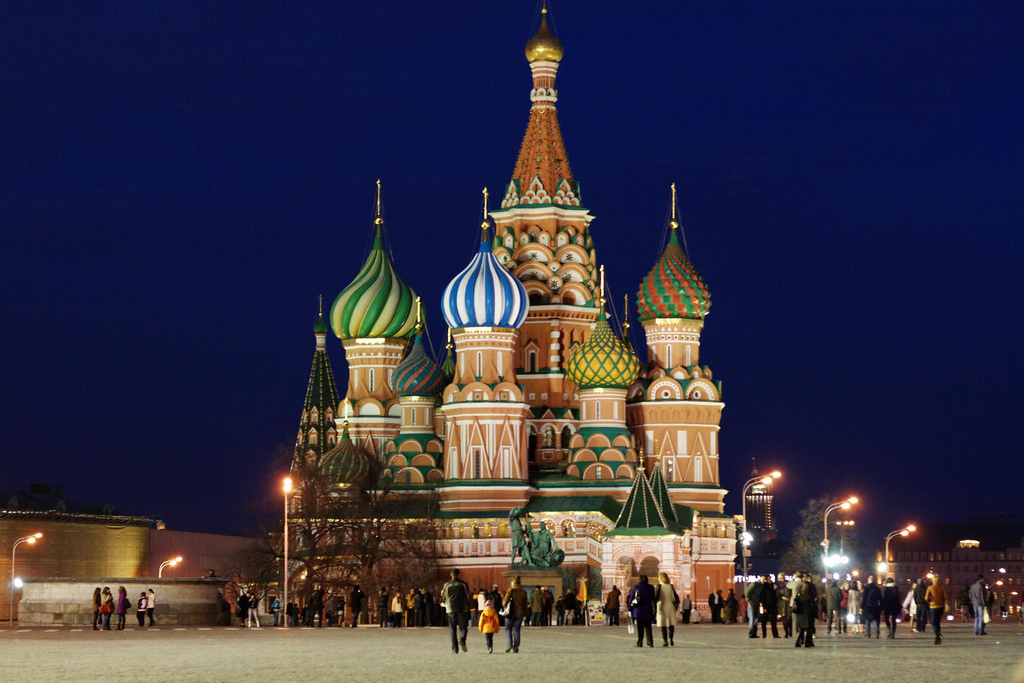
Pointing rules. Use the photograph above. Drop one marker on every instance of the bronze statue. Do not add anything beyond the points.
(534, 548)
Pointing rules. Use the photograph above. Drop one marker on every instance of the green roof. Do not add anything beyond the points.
(641, 510)
(660, 490)
(605, 505)
(684, 514)
(649, 531)
(714, 514)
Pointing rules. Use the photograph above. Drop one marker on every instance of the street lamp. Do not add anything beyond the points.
(841, 505)
(883, 566)
(287, 487)
(745, 537)
(24, 539)
(169, 563)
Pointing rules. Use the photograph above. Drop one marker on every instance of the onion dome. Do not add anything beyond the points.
(544, 47)
(602, 361)
(378, 303)
(417, 374)
(345, 464)
(448, 366)
(485, 294)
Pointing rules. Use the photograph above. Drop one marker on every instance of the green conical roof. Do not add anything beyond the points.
(641, 510)
(321, 396)
(660, 489)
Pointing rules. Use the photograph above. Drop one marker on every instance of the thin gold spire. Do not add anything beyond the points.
(625, 317)
(419, 314)
(320, 306)
(377, 217)
(484, 224)
(674, 223)
(601, 301)
(448, 344)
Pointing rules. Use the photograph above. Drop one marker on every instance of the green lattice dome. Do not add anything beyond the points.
(345, 464)
(602, 362)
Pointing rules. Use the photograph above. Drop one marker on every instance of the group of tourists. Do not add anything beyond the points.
(104, 605)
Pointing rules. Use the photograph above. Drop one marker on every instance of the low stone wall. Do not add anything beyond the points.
(68, 602)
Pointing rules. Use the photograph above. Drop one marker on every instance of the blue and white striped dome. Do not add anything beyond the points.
(485, 294)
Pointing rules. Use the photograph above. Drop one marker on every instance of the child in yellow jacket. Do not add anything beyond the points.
(489, 624)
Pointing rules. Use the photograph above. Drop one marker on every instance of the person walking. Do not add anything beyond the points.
(753, 596)
(106, 607)
(910, 607)
(686, 605)
(151, 606)
(769, 608)
(833, 599)
(921, 605)
(641, 605)
(123, 603)
(275, 609)
(667, 601)
(805, 609)
(140, 610)
(518, 607)
(715, 605)
(853, 606)
(97, 602)
(254, 610)
(489, 624)
(355, 599)
(792, 591)
(536, 605)
(731, 606)
(611, 606)
(892, 605)
(871, 606)
(549, 604)
(455, 596)
(382, 606)
(977, 597)
(936, 599)
(316, 603)
(569, 604)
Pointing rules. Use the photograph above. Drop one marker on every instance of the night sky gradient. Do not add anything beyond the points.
(180, 180)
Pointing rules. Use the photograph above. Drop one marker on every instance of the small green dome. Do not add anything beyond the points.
(345, 464)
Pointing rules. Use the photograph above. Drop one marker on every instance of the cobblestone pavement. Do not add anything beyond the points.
(702, 652)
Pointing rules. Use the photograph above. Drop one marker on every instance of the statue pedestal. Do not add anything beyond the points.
(531, 577)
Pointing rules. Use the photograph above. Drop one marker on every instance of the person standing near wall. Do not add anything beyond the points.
(140, 610)
(107, 607)
(151, 606)
(97, 602)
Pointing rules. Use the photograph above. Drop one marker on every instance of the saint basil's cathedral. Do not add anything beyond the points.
(540, 405)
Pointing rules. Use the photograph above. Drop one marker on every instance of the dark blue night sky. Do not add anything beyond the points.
(179, 181)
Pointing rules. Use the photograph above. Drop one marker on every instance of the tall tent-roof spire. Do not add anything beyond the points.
(660, 489)
(317, 420)
(641, 510)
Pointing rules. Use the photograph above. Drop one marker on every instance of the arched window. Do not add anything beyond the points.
(531, 361)
(479, 364)
(373, 378)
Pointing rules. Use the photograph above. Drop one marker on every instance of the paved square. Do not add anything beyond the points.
(702, 653)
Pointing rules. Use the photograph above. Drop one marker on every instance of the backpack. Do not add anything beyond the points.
(127, 603)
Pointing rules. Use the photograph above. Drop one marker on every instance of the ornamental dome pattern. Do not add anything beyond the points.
(417, 375)
(544, 47)
(378, 303)
(345, 464)
(602, 362)
(485, 294)
(673, 288)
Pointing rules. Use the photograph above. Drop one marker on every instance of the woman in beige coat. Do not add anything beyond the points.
(667, 602)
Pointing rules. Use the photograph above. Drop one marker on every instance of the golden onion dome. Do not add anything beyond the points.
(544, 47)
(602, 362)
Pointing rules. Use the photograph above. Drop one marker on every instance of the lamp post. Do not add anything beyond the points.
(745, 537)
(169, 563)
(24, 539)
(841, 505)
(287, 487)
(883, 566)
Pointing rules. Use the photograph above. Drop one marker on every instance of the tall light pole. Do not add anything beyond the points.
(173, 562)
(841, 505)
(287, 487)
(745, 538)
(883, 566)
(24, 539)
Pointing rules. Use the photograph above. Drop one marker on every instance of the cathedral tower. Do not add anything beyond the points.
(317, 431)
(374, 317)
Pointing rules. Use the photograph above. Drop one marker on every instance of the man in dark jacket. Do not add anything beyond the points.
(355, 601)
(316, 602)
(871, 606)
(769, 608)
(833, 602)
(455, 596)
(920, 606)
(753, 596)
(892, 604)
(382, 605)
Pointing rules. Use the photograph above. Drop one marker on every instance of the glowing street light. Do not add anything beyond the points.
(883, 566)
(286, 486)
(841, 505)
(173, 562)
(746, 537)
(24, 539)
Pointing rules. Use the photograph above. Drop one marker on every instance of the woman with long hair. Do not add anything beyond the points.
(641, 606)
(97, 601)
(106, 607)
(667, 601)
(122, 606)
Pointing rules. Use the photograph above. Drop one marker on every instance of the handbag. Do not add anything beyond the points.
(986, 617)
(506, 610)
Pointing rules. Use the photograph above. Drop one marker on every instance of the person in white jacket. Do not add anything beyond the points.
(909, 604)
(853, 606)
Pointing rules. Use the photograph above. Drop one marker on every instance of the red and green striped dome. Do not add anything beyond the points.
(673, 288)
(417, 374)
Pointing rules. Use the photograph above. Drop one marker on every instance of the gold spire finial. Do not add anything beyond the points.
(448, 344)
(377, 217)
(625, 317)
(601, 300)
(419, 314)
(484, 224)
(674, 223)
(320, 306)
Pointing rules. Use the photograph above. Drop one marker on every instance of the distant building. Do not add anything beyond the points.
(93, 542)
(992, 546)
(759, 511)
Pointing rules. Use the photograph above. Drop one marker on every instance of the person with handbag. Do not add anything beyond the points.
(641, 606)
(667, 600)
(122, 606)
(106, 607)
(977, 597)
(516, 608)
(97, 602)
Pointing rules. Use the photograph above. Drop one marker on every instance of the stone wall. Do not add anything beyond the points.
(68, 602)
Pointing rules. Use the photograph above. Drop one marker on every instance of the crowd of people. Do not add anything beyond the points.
(105, 606)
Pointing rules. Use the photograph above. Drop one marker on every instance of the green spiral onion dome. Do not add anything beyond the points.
(673, 288)
(602, 362)
(417, 374)
(378, 303)
(345, 464)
